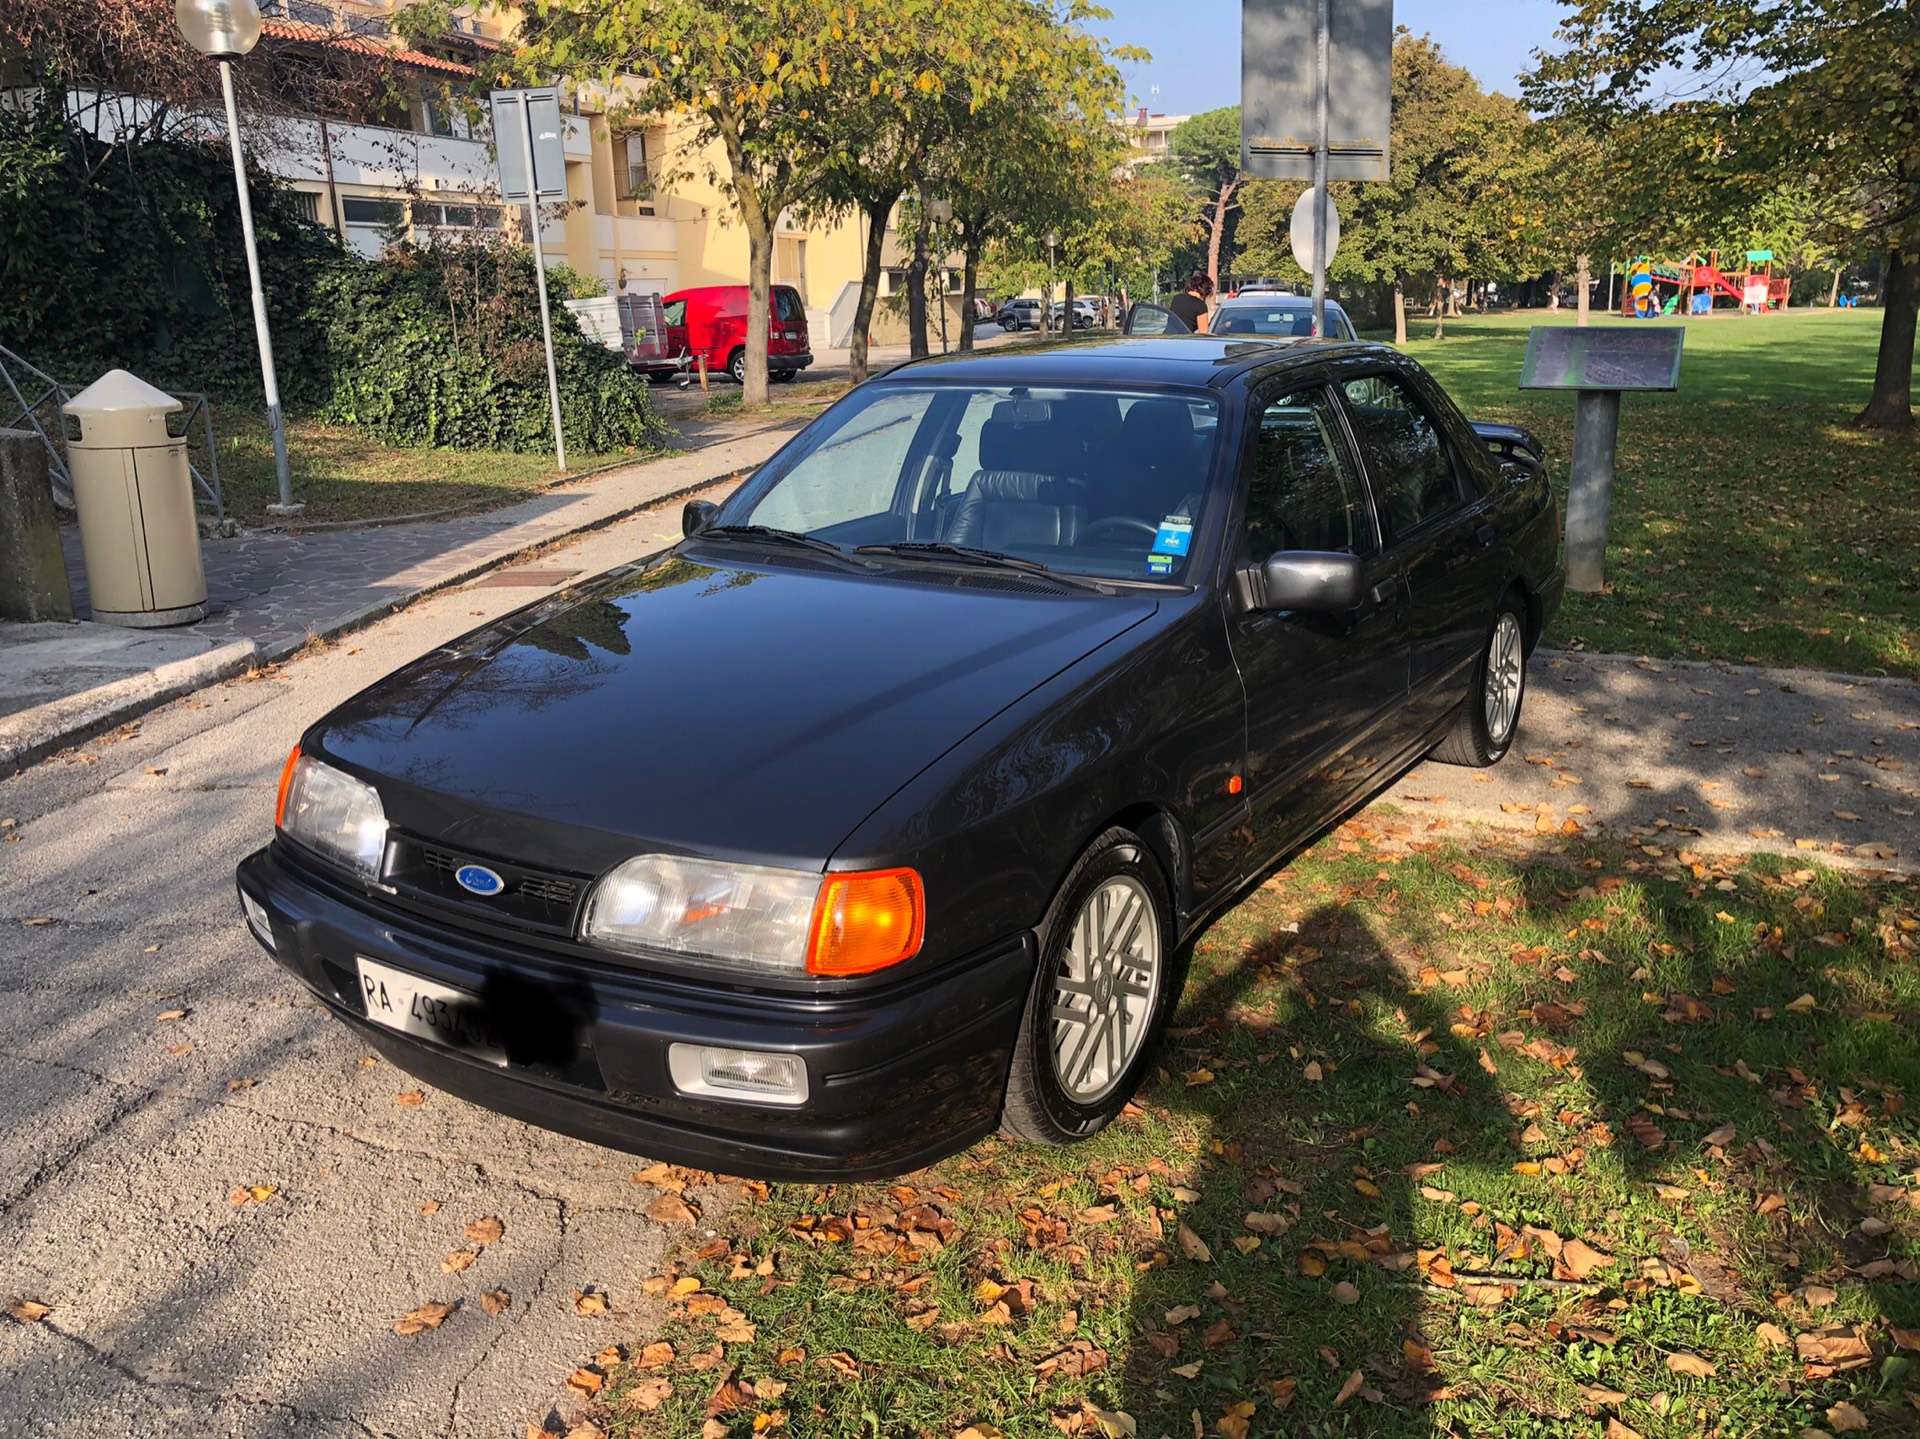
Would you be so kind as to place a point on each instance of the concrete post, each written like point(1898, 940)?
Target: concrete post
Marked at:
point(1596, 425)
point(33, 571)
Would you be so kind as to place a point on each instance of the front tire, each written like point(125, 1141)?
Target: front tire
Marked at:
point(1490, 718)
point(1108, 975)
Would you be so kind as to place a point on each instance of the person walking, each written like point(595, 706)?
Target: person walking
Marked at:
point(1191, 304)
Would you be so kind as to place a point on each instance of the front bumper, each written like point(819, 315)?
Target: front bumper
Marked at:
point(898, 1077)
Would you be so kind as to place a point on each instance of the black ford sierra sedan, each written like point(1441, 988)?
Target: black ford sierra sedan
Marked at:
point(881, 811)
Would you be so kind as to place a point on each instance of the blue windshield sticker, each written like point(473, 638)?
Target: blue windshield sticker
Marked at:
point(1158, 564)
point(1175, 536)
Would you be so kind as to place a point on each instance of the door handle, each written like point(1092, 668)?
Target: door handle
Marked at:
point(1383, 592)
point(1485, 536)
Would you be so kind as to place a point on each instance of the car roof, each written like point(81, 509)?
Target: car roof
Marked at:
point(1202, 361)
point(1278, 300)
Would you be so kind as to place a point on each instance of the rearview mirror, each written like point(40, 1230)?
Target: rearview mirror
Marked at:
point(1318, 581)
point(1145, 319)
point(697, 516)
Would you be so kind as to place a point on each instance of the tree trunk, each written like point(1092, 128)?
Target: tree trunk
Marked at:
point(917, 293)
point(969, 285)
point(1582, 273)
point(1399, 311)
point(877, 211)
point(759, 291)
point(1833, 291)
point(1439, 308)
point(1066, 308)
point(1891, 407)
point(1216, 231)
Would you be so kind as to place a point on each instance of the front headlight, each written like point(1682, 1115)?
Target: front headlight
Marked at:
point(333, 813)
point(778, 920)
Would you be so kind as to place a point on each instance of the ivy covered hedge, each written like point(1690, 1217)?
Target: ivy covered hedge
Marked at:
point(129, 255)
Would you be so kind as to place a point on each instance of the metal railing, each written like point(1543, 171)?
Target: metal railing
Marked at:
point(44, 415)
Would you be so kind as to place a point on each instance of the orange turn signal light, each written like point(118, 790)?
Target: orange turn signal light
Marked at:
point(286, 783)
point(866, 920)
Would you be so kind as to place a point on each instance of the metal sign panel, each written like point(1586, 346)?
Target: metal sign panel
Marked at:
point(511, 110)
point(1610, 357)
point(1277, 89)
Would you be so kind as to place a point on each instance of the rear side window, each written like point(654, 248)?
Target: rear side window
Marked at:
point(1407, 457)
point(674, 312)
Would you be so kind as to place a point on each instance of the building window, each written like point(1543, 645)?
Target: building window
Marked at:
point(633, 168)
point(359, 211)
point(456, 217)
point(309, 203)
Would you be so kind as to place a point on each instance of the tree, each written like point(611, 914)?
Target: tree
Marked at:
point(751, 76)
point(1836, 106)
point(1206, 151)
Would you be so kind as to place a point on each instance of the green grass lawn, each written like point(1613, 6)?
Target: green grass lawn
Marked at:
point(1481, 1137)
point(344, 474)
point(1751, 522)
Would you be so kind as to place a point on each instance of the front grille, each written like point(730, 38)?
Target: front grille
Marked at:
point(538, 899)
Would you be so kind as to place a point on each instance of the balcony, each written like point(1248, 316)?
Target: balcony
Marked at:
point(635, 234)
point(374, 155)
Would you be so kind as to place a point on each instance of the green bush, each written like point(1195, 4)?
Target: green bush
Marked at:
point(129, 256)
point(441, 346)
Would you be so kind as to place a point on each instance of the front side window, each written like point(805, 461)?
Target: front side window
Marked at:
point(1302, 492)
point(1100, 482)
point(1407, 457)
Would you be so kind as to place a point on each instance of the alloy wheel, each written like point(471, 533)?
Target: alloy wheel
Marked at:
point(1505, 674)
point(1103, 996)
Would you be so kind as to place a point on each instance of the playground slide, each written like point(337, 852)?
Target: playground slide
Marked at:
point(1708, 277)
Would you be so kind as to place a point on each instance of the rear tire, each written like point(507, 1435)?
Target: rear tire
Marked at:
point(737, 366)
point(1107, 978)
point(1490, 716)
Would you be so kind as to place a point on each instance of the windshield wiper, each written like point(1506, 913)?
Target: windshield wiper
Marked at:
point(986, 559)
point(775, 536)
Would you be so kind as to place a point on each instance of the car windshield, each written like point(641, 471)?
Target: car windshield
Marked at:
point(1277, 320)
point(1106, 483)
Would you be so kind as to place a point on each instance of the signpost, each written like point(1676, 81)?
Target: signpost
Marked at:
point(1327, 120)
point(528, 138)
point(1598, 364)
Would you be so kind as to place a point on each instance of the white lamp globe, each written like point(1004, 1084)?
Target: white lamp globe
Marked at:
point(224, 29)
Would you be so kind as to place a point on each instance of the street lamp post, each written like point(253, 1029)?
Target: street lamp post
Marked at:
point(226, 30)
point(1053, 239)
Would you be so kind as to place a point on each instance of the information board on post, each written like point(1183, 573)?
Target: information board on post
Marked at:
point(1597, 363)
point(1279, 90)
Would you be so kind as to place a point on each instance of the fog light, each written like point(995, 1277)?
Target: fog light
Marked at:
point(257, 919)
point(738, 1073)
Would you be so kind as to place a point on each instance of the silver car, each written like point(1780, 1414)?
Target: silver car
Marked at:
point(1261, 314)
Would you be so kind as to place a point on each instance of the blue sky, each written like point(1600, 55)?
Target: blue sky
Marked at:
point(1196, 44)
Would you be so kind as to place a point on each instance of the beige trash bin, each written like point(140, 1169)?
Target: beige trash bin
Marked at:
point(134, 495)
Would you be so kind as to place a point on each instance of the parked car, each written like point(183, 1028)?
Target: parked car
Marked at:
point(1086, 313)
point(711, 321)
point(1019, 313)
point(1264, 314)
point(879, 813)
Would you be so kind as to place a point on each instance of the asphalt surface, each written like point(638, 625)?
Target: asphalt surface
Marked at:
point(124, 1131)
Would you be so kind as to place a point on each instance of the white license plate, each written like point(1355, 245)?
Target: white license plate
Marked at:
point(427, 1010)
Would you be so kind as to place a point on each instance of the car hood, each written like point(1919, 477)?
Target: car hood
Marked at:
point(744, 712)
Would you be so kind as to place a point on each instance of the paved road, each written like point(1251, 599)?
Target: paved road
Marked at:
point(123, 1133)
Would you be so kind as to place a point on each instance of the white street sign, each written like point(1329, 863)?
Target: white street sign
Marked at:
point(1300, 230)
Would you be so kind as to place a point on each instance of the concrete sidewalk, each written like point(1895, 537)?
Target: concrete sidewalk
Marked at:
point(270, 592)
point(1676, 755)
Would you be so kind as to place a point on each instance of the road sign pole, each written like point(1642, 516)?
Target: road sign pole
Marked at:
point(1323, 77)
point(540, 279)
point(1596, 427)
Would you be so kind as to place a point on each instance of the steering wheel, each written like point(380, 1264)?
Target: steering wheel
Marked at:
point(1120, 522)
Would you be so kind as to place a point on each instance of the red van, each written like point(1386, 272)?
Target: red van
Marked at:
point(711, 320)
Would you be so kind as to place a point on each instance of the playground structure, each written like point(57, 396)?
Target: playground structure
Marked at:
point(1755, 289)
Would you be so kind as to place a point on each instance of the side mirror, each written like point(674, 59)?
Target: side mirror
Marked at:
point(1312, 580)
point(696, 516)
point(1145, 319)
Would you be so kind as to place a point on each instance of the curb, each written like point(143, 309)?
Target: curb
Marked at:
point(33, 734)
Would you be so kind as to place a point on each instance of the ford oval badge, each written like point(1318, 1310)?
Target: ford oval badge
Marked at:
point(478, 879)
